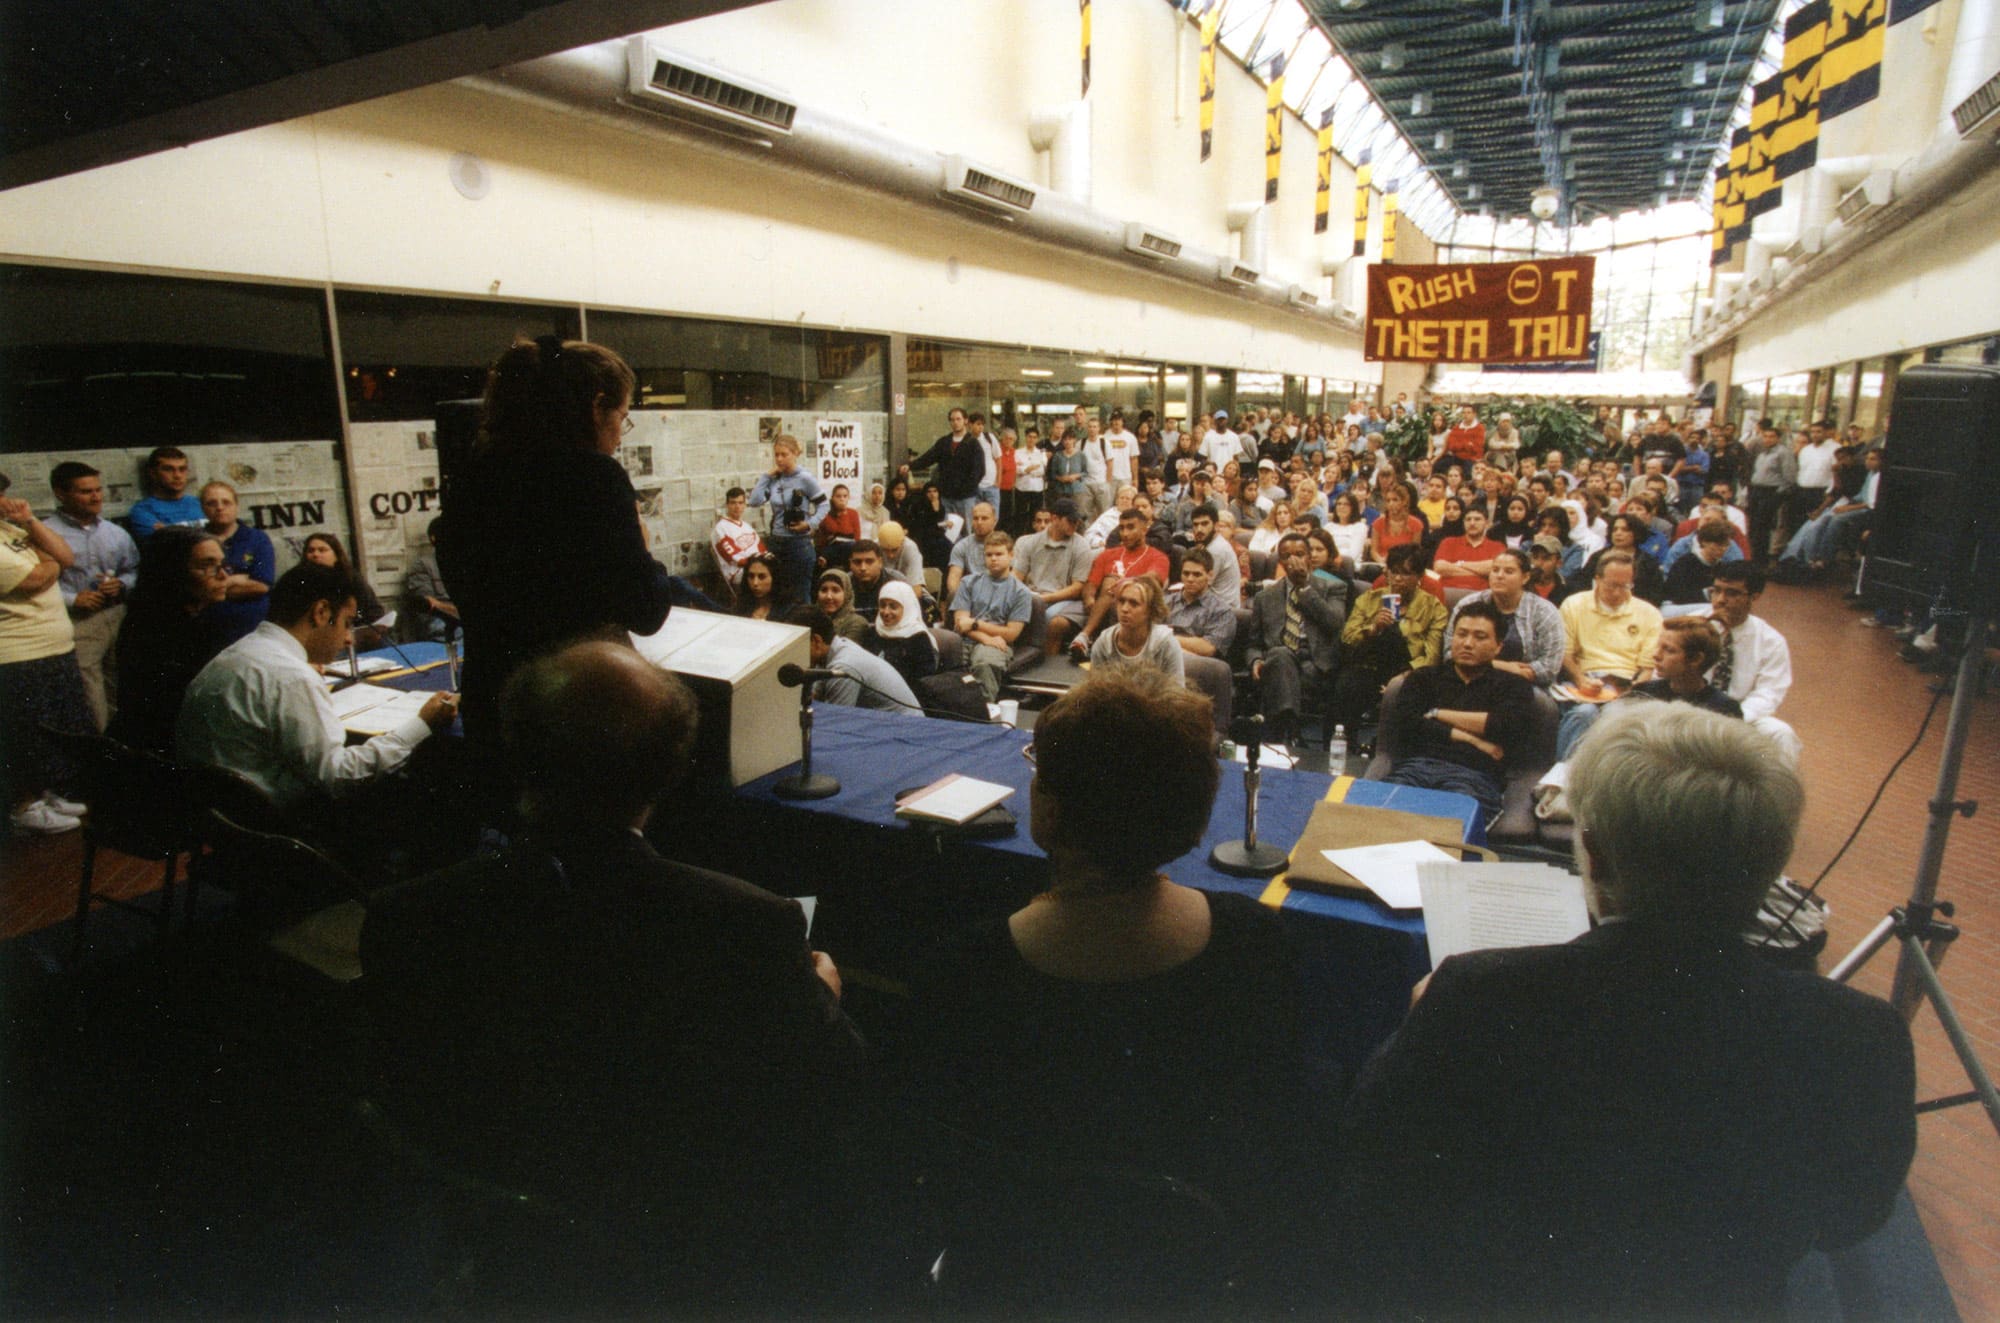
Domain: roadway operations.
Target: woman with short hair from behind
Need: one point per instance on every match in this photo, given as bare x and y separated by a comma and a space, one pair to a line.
1121, 1018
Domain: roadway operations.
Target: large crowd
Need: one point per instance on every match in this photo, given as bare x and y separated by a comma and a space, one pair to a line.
568, 1008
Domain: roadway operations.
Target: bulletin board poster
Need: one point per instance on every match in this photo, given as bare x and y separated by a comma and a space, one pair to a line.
1480, 312
837, 452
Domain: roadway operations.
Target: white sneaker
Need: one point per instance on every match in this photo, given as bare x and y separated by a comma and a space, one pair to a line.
69, 808
38, 817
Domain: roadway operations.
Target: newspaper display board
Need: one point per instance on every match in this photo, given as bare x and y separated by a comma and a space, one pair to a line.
1479, 312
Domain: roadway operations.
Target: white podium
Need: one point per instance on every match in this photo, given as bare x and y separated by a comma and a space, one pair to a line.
749, 722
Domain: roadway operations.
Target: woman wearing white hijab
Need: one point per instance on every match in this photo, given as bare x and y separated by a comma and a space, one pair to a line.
898, 635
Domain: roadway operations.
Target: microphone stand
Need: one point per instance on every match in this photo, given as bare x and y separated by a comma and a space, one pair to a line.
1250, 857
803, 784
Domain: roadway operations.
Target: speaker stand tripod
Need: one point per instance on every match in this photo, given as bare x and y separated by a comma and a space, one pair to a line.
1918, 925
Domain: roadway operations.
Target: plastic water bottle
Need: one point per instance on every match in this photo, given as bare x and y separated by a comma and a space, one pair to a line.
1336, 750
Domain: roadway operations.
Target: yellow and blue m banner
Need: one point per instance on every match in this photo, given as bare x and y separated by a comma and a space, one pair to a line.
1083, 10
1323, 192
1211, 24
1274, 128
1391, 204
1795, 135
1364, 172
1851, 70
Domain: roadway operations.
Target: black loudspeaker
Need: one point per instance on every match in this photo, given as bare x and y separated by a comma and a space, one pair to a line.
1934, 526
457, 430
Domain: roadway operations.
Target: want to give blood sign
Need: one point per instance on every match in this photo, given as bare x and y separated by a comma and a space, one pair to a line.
1480, 312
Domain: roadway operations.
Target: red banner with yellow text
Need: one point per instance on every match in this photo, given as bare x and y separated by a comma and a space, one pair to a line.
1480, 312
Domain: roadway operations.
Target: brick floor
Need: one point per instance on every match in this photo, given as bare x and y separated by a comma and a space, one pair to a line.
1858, 707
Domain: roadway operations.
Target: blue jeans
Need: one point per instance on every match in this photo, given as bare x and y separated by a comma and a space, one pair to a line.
961, 506
1576, 722
1820, 539
795, 566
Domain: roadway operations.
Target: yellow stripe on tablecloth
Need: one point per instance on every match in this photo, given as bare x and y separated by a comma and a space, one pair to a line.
1277, 893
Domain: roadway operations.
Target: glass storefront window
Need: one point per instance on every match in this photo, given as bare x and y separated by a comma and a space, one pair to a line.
689, 363
1788, 398
1017, 387
1260, 390
96, 359
1840, 399
1868, 399
406, 352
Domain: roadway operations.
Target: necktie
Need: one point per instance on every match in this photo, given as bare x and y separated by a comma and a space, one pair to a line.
1725, 666
1295, 625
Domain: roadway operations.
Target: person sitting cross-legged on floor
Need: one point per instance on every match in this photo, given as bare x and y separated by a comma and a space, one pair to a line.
1461, 724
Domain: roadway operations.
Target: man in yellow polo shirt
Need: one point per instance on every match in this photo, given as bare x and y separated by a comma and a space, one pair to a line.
1611, 636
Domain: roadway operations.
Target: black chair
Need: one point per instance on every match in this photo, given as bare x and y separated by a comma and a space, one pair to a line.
137, 807
305, 904
1028, 647
1515, 824
1026, 1234
950, 648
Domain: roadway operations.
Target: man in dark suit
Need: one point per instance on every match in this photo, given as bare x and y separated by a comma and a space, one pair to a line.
1294, 630
1653, 1120
647, 1042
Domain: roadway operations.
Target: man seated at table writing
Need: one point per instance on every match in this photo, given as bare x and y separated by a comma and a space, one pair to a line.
1653, 1120
1461, 725
648, 1041
261, 709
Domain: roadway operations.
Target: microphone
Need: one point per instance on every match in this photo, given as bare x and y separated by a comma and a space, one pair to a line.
792, 676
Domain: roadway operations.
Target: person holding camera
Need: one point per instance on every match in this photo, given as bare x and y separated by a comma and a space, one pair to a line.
797, 506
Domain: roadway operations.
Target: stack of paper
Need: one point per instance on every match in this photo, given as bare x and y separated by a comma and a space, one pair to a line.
368, 666
367, 709
1390, 871
955, 799
1482, 906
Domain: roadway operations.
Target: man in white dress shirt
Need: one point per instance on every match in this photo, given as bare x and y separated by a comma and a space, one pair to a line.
261, 709
1755, 667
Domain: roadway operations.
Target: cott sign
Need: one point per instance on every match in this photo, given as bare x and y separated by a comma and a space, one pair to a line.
1480, 312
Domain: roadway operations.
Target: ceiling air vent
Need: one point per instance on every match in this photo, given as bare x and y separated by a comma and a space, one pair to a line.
1151, 243
671, 80
985, 189
1302, 296
1236, 273
1979, 108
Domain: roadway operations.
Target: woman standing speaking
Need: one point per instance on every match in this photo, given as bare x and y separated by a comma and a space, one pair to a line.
545, 545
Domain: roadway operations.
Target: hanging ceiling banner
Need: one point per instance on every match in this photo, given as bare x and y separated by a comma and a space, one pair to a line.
1211, 27
1480, 312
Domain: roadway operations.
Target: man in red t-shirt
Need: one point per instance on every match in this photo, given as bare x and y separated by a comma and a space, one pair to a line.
1128, 558
1465, 443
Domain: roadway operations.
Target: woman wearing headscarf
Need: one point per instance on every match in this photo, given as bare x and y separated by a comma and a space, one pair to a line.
898, 635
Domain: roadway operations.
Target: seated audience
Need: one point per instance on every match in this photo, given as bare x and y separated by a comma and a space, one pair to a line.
98, 582
1131, 556
991, 610
833, 592
1586, 1130
1348, 529
898, 634
734, 540
968, 554
1846, 516
1610, 645
840, 523
1626, 533
170, 633
759, 598
651, 1043
1691, 575
1141, 637
261, 707
248, 557
1533, 641
1399, 522
1295, 626
1225, 581
1054, 564
430, 600
325, 549
1712, 511
1688, 648
864, 679
900, 555
1754, 666
1204, 626
1460, 725
1120, 1019
1464, 561
1392, 629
